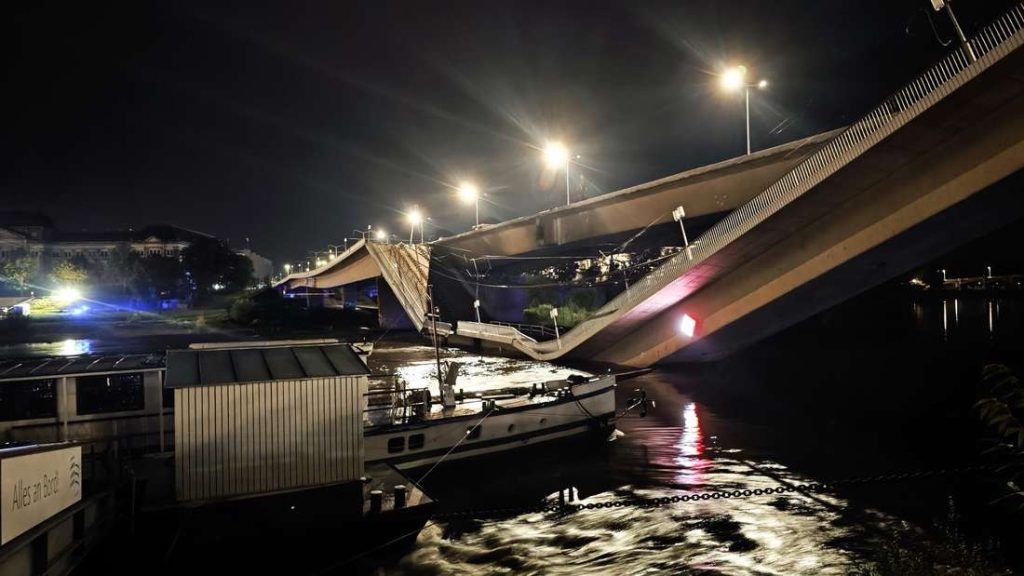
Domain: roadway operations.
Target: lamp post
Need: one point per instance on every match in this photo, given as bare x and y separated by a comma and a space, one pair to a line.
735, 78
939, 5
470, 193
556, 155
415, 218
554, 320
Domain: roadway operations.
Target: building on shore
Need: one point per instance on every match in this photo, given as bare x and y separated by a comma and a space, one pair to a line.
35, 235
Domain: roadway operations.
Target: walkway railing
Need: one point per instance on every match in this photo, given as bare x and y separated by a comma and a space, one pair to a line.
990, 45
494, 333
537, 329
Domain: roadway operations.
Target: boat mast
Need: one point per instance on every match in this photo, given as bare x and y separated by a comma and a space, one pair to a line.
433, 331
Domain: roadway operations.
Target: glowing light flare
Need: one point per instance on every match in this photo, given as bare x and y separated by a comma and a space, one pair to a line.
414, 217
734, 78
75, 347
556, 155
468, 193
687, 325
380, 235
67, 295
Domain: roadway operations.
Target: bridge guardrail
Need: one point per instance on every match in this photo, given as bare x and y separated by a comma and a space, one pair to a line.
990, 45
406, 275
492, 332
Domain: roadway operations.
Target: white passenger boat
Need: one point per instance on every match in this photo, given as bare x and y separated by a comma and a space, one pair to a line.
408, 430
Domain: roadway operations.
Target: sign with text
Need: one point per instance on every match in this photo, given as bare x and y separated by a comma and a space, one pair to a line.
36, 486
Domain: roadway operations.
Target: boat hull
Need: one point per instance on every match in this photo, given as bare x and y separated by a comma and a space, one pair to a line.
587, 408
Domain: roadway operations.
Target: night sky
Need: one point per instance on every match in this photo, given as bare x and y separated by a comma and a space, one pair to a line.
294, 122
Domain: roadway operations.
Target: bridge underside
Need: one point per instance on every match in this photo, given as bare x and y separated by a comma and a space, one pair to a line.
914, 178
702, 191
352, 266
871, 221
997, 206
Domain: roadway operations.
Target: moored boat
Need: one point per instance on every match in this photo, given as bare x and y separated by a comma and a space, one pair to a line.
412, 431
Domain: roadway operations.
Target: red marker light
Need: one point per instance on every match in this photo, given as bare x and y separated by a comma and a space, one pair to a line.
687, 326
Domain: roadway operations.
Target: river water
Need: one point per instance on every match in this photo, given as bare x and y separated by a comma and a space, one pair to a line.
890, 393
880, 384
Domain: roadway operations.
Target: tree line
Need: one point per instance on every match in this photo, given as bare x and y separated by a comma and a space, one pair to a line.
204, 266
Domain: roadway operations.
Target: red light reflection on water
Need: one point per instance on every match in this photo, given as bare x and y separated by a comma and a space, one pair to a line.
690, 462
691, 443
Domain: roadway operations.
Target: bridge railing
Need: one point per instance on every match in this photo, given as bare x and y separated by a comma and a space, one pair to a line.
991, 44
536, 329
493, 332
405, 268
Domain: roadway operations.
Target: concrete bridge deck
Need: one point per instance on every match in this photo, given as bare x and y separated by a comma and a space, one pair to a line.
703, 191
954, 131
845, 211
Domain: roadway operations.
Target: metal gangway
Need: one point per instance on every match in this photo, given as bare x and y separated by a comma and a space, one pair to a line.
990, 45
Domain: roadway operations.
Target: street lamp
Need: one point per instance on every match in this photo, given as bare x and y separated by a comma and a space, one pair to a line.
380, 235
415, 218
470, 193
556, 155
735, 78
287, 269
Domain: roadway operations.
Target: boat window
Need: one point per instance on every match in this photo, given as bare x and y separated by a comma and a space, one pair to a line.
415, 441
111, 393
396, 444
28, 399
473, 432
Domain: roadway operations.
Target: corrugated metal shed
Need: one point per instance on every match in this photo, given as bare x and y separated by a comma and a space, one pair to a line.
188, 368
257, 420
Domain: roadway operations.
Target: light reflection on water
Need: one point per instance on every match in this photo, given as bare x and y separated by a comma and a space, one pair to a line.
972, 317
68, 347
674, 451
783, 534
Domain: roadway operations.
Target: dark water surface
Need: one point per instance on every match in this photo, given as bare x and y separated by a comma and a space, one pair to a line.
879, 385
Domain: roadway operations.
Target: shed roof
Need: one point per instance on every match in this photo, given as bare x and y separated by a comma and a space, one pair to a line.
77, 365
188, 368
